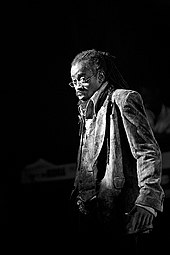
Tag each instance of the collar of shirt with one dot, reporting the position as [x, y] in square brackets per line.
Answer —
[87, 108]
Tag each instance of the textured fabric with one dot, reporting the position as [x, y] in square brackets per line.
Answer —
[131, 169]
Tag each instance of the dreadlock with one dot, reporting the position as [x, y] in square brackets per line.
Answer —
[103, 61]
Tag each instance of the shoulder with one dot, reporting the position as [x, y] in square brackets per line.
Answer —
[123, 96]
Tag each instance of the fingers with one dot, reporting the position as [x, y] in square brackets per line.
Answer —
[136, 223]
[148, 220]
[140, 221]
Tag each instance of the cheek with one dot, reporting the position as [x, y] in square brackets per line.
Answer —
[93, 88]
[90, 90]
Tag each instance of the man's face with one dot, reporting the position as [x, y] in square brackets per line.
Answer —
[85, 83]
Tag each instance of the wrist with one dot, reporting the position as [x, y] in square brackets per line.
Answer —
[148, 208]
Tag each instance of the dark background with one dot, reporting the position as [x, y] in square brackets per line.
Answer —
[39, 109]
[137, 33]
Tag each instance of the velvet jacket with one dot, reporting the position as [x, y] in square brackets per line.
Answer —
[120, 159]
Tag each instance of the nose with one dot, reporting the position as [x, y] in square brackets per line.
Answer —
[79, 85]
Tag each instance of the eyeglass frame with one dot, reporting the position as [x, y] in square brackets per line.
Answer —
[71, 84]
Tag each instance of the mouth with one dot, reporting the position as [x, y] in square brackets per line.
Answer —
[80, 93]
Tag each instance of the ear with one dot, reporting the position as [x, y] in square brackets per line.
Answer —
[101, 77]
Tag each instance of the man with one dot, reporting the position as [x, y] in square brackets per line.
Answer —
[117, 191]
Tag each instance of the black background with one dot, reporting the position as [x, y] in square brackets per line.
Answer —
[39, 109]
[135, 32]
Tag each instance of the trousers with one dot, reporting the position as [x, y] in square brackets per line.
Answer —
[93, 233]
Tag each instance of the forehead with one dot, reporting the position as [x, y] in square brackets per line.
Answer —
[79, 68]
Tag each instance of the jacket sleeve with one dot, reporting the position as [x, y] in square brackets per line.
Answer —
[145, 149]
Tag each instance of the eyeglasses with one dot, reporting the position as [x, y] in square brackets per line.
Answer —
[82, 80]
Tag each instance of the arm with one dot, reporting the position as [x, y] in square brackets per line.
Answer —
[145, 149]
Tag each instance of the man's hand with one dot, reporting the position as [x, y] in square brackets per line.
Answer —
[139, 220]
